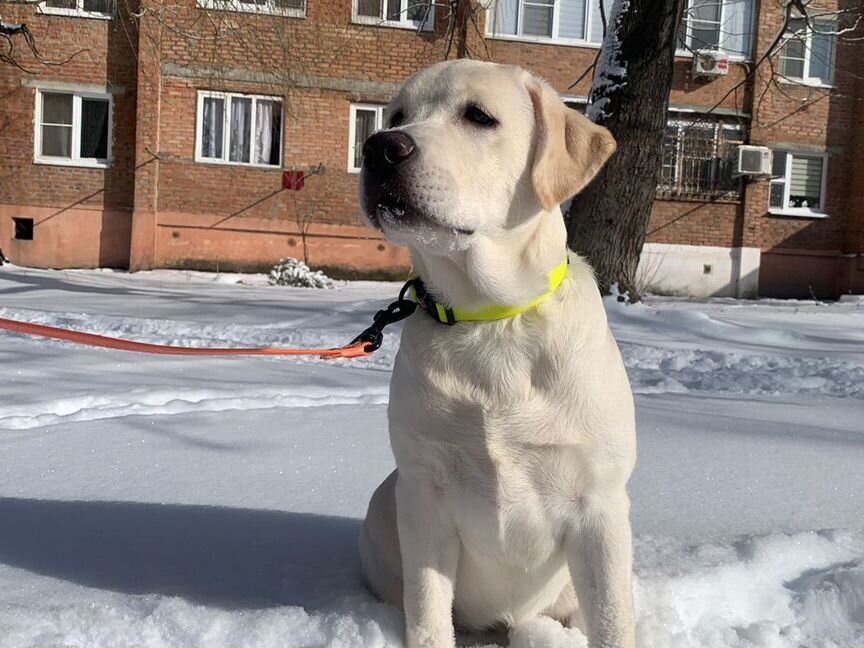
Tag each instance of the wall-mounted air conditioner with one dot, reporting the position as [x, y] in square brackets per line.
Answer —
[709, 64]
[754, 160]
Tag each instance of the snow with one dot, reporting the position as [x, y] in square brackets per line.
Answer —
[182, 502]
[611, 73]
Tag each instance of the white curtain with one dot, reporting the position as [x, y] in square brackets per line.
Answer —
[241, 129]
[736, 32]
[263, 131]
[212, 128]
[505, 18]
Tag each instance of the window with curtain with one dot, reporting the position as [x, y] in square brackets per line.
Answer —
[239, 129]
[412, 14]
[723, 25]
[566, 21]
[808, 51]
[73, 128]
[365, 120]
[798, 183]
[292, 8]
[699, 158]
[82, 8]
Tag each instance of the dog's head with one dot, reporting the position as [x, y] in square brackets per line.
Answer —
[473, 150]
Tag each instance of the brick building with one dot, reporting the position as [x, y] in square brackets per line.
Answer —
[163, 140]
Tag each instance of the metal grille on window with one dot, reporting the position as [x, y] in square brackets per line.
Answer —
[699, 160]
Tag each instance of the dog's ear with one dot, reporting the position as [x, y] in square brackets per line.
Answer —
[570, 148]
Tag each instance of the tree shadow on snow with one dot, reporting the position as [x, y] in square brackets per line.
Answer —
[232, 558]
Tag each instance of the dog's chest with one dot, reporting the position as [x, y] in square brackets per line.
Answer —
[496, 431]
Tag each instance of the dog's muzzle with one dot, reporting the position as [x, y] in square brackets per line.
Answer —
[385, 191]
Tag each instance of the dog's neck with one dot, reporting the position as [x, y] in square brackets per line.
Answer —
[510, 269]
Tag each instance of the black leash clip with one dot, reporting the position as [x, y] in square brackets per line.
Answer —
[399, 310]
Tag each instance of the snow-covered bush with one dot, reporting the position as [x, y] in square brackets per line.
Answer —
[291, 272]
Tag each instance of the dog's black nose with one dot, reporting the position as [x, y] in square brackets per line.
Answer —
[388, 147]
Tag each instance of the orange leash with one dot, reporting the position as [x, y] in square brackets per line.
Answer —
[363, 345]
[357, 350]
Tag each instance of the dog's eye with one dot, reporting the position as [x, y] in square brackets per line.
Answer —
[397, 119]
[477, 116]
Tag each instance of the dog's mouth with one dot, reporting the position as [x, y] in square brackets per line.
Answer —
[391, 210]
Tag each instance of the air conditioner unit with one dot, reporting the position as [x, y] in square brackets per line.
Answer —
[709, 63]
[754, 160]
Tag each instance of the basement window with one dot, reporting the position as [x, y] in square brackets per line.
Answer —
[103, 9]
[73, 128]
[23, 229]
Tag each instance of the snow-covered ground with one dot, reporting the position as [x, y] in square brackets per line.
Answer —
[215, 502]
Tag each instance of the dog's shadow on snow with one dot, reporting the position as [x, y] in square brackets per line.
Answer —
[233, 558]
[225, 557]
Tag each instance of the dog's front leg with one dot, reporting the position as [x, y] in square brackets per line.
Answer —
[600, 558]
[430, 553]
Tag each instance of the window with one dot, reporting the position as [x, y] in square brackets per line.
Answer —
[365, 120]
[239, 129]
[23, 229]
[725, 25]
[699, 158]
[73, 128]
[411, 14]
[808, 52]
[798, 183]
[82, 8]
[561, 21]
[296, 8]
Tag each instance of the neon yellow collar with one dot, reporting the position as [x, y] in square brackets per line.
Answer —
[445, 315]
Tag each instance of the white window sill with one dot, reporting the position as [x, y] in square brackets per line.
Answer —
[796, 213]
[84, 164]
[75, 13]
[806, 83]
[245, 165]
[396, 24]
[544, 40]
[253, 9]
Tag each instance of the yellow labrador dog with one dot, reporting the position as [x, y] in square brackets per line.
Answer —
[513, 429]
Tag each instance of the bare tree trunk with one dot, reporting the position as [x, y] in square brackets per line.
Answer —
[607, 222]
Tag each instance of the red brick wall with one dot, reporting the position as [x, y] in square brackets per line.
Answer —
[84, 203]
[321, 64]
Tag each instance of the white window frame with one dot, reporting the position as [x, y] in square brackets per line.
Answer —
[402, 23]
[352, 128]
[591, 8]
[78, 11]
[732, 56]
[806, 79]
[269, 7]
[786, 180]
[75, 158]
[226, 130]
